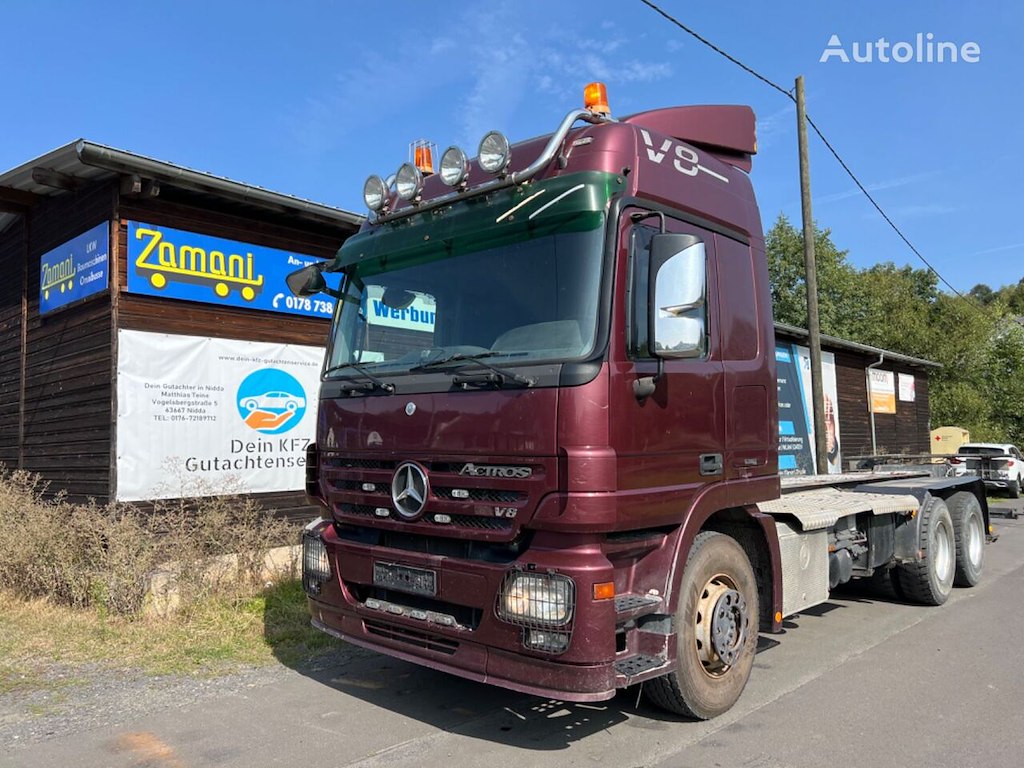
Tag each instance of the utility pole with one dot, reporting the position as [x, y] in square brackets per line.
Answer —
[811, 281]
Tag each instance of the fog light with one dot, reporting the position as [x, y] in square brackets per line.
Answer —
[408, 182]
[546, 640]
[494, 152]
[375, 193]
[454, 166]
[537, 599]
[316, 566]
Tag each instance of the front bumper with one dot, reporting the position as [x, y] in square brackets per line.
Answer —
[473, 642]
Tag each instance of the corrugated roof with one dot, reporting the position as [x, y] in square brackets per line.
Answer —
[86, 161]
[853, 346]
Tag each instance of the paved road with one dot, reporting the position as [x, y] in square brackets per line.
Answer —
[860, 680]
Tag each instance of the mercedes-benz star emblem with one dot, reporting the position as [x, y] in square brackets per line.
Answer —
[409, 489]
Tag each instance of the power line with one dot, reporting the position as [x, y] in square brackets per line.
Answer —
[970, 300]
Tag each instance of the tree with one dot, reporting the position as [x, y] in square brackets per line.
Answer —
[982, 294]
[837, 286]
[980, 385]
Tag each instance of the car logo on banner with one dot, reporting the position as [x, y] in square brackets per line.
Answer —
[271, 401]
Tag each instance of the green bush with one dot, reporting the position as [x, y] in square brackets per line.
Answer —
[89, 555]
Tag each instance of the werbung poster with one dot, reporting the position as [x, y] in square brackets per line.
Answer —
[218, 415]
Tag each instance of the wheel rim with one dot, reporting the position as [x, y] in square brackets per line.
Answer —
[721, 622]
[943, 553]
[975, 540]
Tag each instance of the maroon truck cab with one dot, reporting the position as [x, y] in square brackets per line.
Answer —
[544, 381]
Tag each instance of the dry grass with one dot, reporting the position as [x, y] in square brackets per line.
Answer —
[86, 555]
[73, 581]
[210, 637]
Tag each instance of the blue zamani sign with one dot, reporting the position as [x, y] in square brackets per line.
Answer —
[175, 264]
[75, 270]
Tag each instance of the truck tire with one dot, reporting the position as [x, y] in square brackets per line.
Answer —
[969, 531]
[930, 579]
[1013, 489]
[716, 630]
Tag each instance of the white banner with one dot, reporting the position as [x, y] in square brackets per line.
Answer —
[830, 390]
[204, 416]
[908, 389]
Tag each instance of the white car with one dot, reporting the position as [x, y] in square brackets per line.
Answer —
[283, 401]
[999, 465]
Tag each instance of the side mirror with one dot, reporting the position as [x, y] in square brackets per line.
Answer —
[676, 299]
[307, 281]
[398, 298]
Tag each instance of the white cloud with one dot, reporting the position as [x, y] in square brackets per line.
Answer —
[496, 57]
[441, 45]
[920, 211]
[899, 181]
[771, 126]
[998, 249]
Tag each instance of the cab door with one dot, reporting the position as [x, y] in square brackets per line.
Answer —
[671, 442]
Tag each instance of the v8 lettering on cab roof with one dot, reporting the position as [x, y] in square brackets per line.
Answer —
[687, 161]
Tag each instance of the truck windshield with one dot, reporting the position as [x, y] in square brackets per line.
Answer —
[531, 296]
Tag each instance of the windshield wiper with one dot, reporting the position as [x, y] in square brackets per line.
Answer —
[373, 384]
[497, 376]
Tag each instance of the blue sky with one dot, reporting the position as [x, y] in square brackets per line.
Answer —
[309, 98]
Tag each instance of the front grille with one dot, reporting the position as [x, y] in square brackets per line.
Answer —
[457, 521]
[357, 485]
[341, 462]
[482, 523]
[480, 494]
[362, 487]
[363, 510]
[463, 549]
[412, 637]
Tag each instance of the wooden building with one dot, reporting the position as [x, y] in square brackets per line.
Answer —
[900, 393]
[60, 322]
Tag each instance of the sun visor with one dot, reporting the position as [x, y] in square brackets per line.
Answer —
[726, 131]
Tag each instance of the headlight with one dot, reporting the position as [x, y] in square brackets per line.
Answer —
[537, 599]
[494, 152]
[375, 193]
[316, 566]
[454, 166]
[408, 181]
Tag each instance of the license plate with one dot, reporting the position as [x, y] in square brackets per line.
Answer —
[402, 578]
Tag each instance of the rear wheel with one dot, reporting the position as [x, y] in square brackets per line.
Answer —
[929, 580]
[717, 622]
[1013, 489]
[969, 531]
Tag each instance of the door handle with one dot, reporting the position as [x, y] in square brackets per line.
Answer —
[711, 464]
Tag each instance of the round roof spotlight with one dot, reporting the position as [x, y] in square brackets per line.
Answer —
[454, 167]
[409, 182]
[375, 193]
[494, 152]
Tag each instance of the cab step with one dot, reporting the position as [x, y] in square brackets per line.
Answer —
[635, 669]
[630, 606]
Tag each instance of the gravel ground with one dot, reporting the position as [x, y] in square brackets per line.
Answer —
[84, 698]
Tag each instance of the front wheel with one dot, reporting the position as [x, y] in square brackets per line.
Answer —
[717, 622]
